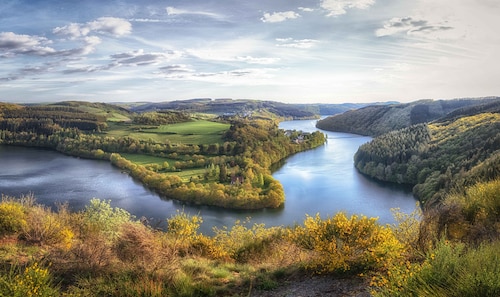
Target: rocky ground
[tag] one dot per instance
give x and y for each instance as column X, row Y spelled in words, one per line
column 318, row 286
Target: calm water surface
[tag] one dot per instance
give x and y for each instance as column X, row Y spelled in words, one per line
column 322, row 181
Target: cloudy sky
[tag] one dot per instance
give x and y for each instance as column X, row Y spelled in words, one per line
column 285, row 50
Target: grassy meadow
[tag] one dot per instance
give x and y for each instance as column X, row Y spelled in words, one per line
column 159, row 162
column 194, row 132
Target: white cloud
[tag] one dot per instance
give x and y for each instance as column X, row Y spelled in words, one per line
column 412, row 26
column 172, row 11
column 140, row 58
column 106, row 25
column 12, row 43
column 90, row 43
column 277, row 17
column 74, row 30
column 339, row 7
column 110, row 25
column 176, row 71
column 255, row 60
column 306, row 9
column 464, row 20
column 296, row 43
column 142, row 20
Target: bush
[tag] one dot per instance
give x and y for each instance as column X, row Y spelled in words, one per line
column 33, row 281
column 451, row 269
column 146, row 250
column 12, row 217
column 244, row 243
column 471, row 217
column 99, row 215
column 342, row 244
column 46, row 227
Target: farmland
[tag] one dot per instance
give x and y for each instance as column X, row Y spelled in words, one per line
column 193, row 132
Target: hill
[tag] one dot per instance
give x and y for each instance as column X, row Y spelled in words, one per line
column 247, row 106
column 436, row 157
column 375, row 120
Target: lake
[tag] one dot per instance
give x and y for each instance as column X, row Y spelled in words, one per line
column 322, row 180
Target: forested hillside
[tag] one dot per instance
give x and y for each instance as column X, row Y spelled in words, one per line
column 230, row 107
column 375, row 120
column 437, row 157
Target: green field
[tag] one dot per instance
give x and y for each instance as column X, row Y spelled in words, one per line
column 146, row 159
column 184, row 174
column 194, row 132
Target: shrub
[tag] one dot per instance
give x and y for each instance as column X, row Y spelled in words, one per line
column 183, row 225
column 93, row 253
column 407, row 229
column 99, row 215
column 243, row 243
column 146, row 250
column 183, row 231
column 46, row 227
column 33, row 281
column 12, row 217
column 472, row 216
column 451, row 269
column 342, row 244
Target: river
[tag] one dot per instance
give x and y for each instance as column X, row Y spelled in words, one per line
column 322, row 180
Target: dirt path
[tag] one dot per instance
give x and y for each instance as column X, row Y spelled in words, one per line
column 318, row 286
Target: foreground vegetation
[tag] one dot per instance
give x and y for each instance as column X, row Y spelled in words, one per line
column 196, row 158
column 104, row 251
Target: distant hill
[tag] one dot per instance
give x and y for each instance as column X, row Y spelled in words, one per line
column 110, row 112
column 375, row 120
column 227, row 107
column 242, row 106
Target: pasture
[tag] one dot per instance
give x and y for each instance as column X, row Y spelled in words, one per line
column 193, row 132
column 145, row 160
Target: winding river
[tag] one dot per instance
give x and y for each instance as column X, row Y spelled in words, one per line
column 322, row 180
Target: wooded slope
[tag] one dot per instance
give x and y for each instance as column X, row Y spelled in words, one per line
column 436, row 157
column 379, row 119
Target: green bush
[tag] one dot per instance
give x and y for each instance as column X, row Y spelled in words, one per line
column 100, row 215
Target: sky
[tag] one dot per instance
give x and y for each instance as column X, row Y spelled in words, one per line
column 309, row 51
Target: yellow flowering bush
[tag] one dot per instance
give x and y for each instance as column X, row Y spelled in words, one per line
column 341, row 243
column 184, row 226
column 242, row 241
column 12, row 217
column 33, row 281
